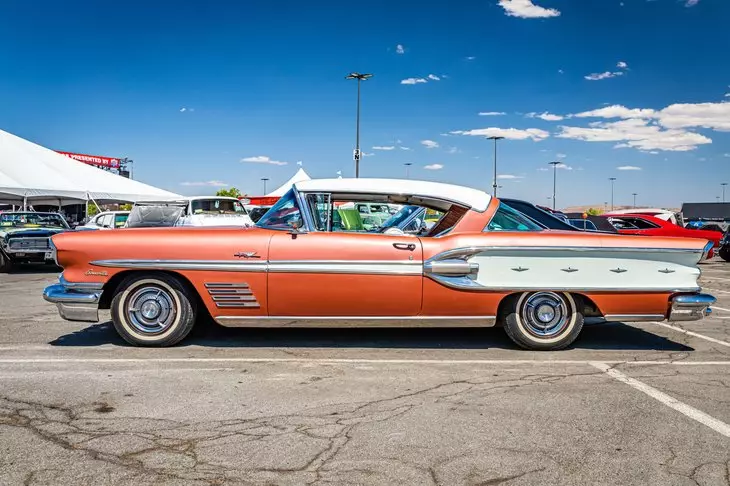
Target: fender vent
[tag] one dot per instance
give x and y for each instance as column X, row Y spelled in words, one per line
column 232, row 295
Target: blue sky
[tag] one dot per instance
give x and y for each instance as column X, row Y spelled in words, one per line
column 191, row 89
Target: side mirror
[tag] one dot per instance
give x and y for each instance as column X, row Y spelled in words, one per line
column 296, row 229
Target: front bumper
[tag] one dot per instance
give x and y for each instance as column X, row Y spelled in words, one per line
column 75, row 301
column 690, row 307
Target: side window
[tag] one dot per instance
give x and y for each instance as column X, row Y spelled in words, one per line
column 320, row 207
column 507, row 219
column 106, row 221
column 119, row 220
column 285, row 214
column 643, row 224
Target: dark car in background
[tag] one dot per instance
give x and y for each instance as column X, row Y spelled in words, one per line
column 601, row 223
column 25, row 237
column 724, row 248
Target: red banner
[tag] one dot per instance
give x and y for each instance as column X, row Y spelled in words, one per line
column 97, row 160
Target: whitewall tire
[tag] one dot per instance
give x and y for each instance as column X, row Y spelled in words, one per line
column 544, row 320
column 153, row 310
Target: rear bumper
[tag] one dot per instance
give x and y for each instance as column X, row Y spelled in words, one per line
column 690, row 307
column 75, row 302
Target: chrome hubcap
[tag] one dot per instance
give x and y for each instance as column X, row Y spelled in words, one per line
column 545, row 314
column 151, row 310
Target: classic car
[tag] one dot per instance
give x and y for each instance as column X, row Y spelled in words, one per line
column 663, row 214
column 106, row 221
column 600, row 222
column 724, row 248
column 25, row 237
column 645, row 225
column 191, row 211
column 481, row 264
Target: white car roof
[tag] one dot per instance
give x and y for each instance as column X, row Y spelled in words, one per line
column 464, row 196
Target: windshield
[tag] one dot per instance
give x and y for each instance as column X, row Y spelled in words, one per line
column 217, row 206
column 32, row 220
column 285, row 214
column 151, row 216
column 508, row 219
column 400, row 216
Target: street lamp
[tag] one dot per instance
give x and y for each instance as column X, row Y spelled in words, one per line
column 360, row 77
column 612, row 179
column 555, row 177
column 408, row 169
column 723, row 184
column 634, row 194
column 264, row 179
column 494, row 181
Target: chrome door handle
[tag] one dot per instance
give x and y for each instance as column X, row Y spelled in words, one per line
column 405, row 246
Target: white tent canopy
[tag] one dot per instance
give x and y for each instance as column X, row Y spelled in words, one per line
column 42, row 176
column 298, row 177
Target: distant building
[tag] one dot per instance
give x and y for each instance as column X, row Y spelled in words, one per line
column 706, row 212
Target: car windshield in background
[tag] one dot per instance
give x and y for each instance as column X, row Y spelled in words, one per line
column 542, row 217
column 508, row 219
column 217, row 206
column 152, row 216
column 32, row 220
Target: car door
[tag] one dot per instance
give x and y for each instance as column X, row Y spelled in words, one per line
column 332, row 274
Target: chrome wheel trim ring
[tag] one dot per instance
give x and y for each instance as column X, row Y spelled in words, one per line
column 151, row 309
column 545, row 315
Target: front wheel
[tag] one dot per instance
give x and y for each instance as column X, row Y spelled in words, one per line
column 153, row 310
column 6, row 265
column 543, row 321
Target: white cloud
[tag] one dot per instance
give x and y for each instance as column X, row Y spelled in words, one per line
column 727, row 95
column 560, row 71
column 430, row 144
column 453, row 150
column 654, row 152
column 262, row 159
column 691, row 3
column 508, row 133
column 715, row 116
column 564, row 167
column 367, row 154
column 509, row 176
column 383, row 147
column 205, row 183
column 628, row 167
column 433, row 167
column 544, row 116
column 404, row 148
column 604, row 75
column 525, row 9
column 726, row 155
column 491, row 113
column 560, row 156
column 433, row 77
column 183, row 109
column 399, row 49
column 616, row 111
column 542, row 169
column 622, row 65
column 413, row 81
column 470, row 58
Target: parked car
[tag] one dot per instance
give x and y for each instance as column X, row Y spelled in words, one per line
column 482, row 264
column 601, row 222
column 663, row 214
column 25, row 237
column 192, row 211
column 106, row 221
column 644, row 225
column 255, row 212
column 584, row 224
column 545, row 216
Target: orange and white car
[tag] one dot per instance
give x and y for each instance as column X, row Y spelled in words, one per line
column 481, row 264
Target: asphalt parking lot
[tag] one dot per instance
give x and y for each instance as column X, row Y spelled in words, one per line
column 640, row 404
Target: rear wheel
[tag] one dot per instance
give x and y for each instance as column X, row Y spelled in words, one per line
column 153, row 310
column 543, row 321
column 725, row 253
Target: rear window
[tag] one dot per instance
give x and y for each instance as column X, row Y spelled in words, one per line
column 508, row 219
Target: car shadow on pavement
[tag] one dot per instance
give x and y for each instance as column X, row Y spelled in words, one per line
column 606, row 336
column 32, row 269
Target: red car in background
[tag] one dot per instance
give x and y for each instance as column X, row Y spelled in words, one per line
column 645, row 225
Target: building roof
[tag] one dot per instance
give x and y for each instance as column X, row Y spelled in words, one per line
column 464, row 196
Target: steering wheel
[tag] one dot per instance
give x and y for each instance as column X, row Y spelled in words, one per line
column 394, row 231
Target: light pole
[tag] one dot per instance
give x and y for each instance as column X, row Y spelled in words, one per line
column 555, row 178
column 612, row 179
column 264, row 179
column 494, row 181
column 634, row 194
column 723, row 184
column 408, row 169
column 360, row 77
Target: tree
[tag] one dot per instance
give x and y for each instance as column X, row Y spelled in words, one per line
column 594, row 212
column 232, row 192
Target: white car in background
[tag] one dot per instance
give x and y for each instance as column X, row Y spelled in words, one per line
column 106, row 221
column 191, row 211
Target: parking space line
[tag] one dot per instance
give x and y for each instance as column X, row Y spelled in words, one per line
column 716, row 290
column 356, row 361
column 671, row 402
column 713, row 307
column 693, row 334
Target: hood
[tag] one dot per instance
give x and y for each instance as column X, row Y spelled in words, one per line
column 30, row 232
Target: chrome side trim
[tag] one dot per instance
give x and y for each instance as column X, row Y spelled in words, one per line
column 634, row 317
column 357, row 321
column 466, row 252
column 463, row 283
column 384, row 267
column 451, row 267
column 215, row 265
column 227, row 294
